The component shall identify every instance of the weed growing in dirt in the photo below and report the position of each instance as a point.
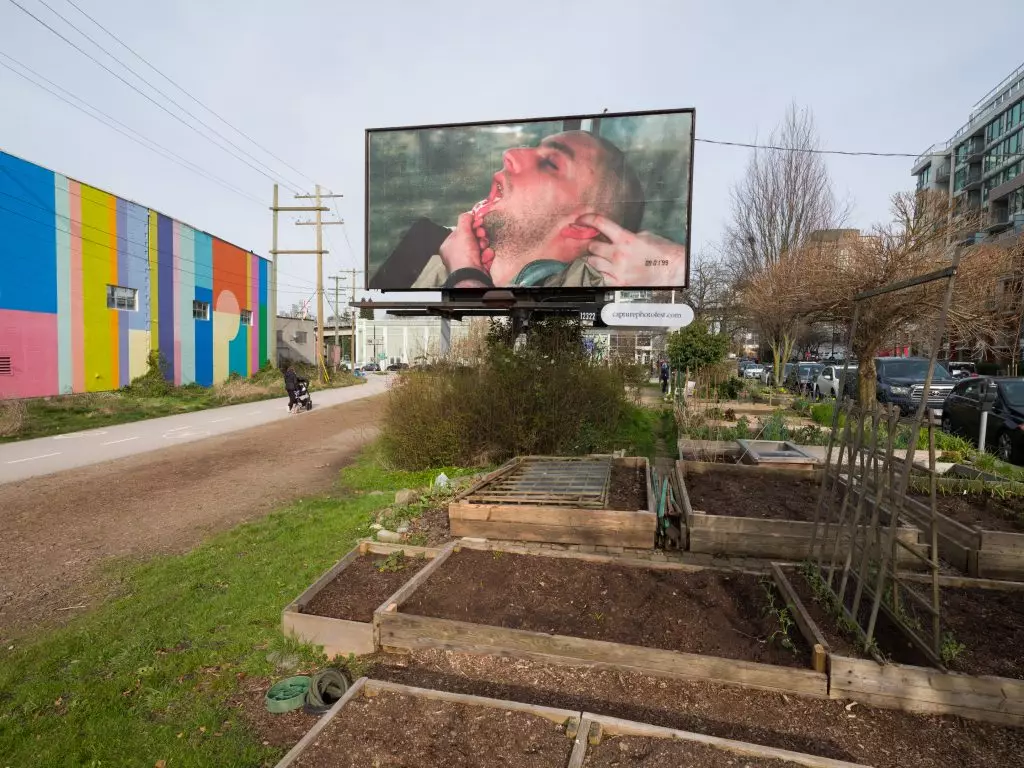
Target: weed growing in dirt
(824, 597)
(393, 563)
(952, 649)
(781, 614)
(150, 676)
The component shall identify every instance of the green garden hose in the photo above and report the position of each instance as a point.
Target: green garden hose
(328, 685)
(287, 695)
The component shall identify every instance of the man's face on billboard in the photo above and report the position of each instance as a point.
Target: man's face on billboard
(542, 189)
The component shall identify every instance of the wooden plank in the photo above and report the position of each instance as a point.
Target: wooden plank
(613, 726)
(547, 515)
(800, 472)
(579, 747)
(999, 564)
(314, 733)
(504, 469)
(560, 716)
(638, 538)
(809, 629)
(1003, 540)
(754, 525)
(339, 637)
(421, 576)
(408, 631)
(919, 689)
(383, 548)
(311, 591)
(965, 582)
(770, 546)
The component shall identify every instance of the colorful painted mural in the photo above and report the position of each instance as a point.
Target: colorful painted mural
(90, 284)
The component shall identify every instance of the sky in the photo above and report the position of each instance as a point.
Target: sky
(306, 79)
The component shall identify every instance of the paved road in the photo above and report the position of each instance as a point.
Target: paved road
(46, 455)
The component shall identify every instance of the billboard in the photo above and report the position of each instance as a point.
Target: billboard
(591, 201)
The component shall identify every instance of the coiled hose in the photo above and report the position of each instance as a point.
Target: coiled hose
(325, 688)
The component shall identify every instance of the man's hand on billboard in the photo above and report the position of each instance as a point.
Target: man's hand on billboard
(461, 250)
(634, 259)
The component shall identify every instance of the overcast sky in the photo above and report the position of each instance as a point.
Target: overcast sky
(305, 79)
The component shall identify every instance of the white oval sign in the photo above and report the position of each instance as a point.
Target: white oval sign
(647, 315)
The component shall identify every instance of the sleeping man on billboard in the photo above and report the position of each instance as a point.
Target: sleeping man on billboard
(565, 213)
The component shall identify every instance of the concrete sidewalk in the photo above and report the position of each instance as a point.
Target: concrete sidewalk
(46, 455)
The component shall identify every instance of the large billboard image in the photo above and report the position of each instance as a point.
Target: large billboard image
(598, 201)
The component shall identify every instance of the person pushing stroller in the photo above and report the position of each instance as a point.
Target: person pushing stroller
(293, 385)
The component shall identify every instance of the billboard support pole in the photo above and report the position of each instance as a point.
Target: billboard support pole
(272, 320)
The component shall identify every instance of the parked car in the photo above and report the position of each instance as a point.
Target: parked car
(961, 370)
(371, 367)
(397, 367)
(900, 382)
(801, 376)
(753, 371)
(741, 366)
(961, 415)
(827, 383)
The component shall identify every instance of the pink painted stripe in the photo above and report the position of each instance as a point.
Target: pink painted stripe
(77, 305)
(177, 302)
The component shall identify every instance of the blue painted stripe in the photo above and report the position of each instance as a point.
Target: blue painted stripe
(123, 346)
(137, 262)
(186, 285)
(204, 261)
(203, 330)
(28, 246)
(165, 270)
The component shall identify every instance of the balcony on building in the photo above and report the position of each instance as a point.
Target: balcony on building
(975, 149)
(973, 181)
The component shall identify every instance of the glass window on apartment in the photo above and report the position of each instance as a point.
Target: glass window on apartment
(245, 316)
(960, 180)
(201, 310)
(300, 337)
(1015, 113)
(124, 299)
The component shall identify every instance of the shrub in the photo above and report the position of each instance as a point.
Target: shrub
(802, 406)
(13, 414)
(546, 397)
(730, 389)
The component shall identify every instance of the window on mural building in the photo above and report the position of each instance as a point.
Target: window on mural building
(201, 310)
(300, 337)
(124, 299)
(245, 316)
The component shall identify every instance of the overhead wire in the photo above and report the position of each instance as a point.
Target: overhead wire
(149, 98)
(1002, 156)
(141, 139)
(184, 90)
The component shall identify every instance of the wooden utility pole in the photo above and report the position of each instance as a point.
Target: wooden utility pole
(319, 252)
(337, 328)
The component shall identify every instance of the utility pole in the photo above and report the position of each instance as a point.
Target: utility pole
(355, 315)
(337, 329)
(319, 252)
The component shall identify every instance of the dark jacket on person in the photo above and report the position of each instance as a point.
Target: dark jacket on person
(291, 380)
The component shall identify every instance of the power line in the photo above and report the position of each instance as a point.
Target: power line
(186, 92)
(106, 120)
(146, 95)
(1003, 157)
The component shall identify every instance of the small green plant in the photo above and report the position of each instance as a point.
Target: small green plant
(497, 554)
(598, 616)
(952, 649)
(356, 666)
(774, 428)
(730, 389)
(802, 406)
(418, 539)
(393, 563)
(781, 614)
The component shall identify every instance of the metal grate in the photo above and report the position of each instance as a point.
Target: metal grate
(6, 368)
(572, 482)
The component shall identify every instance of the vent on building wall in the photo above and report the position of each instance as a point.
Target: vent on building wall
(6, 367)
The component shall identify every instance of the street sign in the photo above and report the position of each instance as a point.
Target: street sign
(639, 315)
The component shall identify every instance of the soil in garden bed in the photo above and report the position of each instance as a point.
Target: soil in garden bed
(643, 752)
(990, 624)
(710, 612)
(409, 731)
(627, 489)
(883, 738)
(986, 512)
(753, 494)
(356, 592)
(890, 639)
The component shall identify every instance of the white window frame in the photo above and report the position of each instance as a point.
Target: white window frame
(203, 307)
(245, 316)
(122, 299)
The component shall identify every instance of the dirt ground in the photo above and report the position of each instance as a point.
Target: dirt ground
(635, 752)
(986, 512)
(58, 529)
(362, 587)
(710, 612)
(775, 497)
(406, 732)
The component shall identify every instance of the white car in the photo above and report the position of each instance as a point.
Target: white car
(827, 383)
(753, 371)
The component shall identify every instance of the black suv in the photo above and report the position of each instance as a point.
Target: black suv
(901, 383)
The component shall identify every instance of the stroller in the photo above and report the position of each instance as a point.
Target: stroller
(304, 401)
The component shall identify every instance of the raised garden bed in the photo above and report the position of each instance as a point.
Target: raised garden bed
(986, 677)
(337, 611)
(592, 501)
(765, 512)
(979, 533)
(387, 724)
(708, 450)
(611, 742)
(665, 618)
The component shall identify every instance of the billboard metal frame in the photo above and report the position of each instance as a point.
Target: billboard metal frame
(516, 121)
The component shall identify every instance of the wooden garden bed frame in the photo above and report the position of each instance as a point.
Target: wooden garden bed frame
(583, 728)
(912, 688)
(593, 728)
(405, 631)
(340, 637)
(367, 688)
(553, 524)
(755, 537)
(972, 550)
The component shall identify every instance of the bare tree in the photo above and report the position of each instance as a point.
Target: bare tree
(785, 194)
(920, 239)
